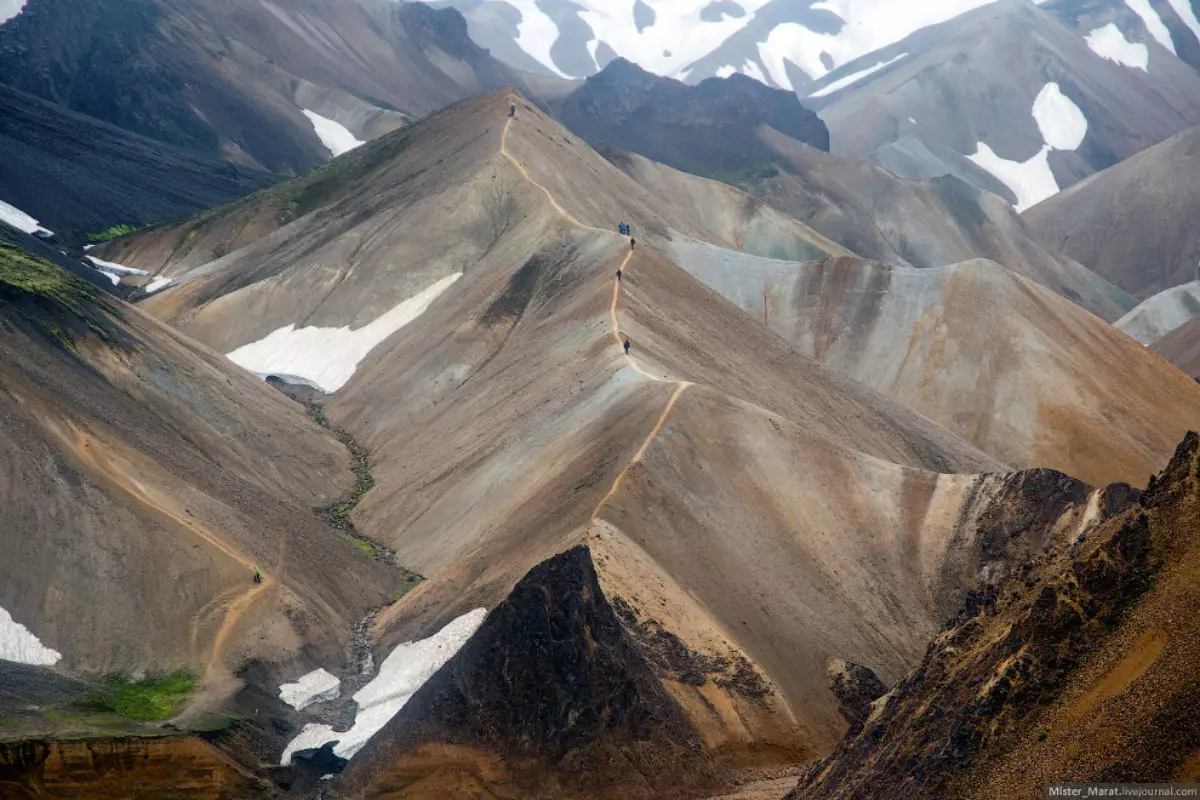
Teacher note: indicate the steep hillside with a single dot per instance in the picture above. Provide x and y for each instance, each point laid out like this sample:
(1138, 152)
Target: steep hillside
(1016, 91)
(79, 176)
(1074, 671)
(327, 229)
(235, 78)
(1157, 316)
(752, 517)
(505, 425)
(1015, 370)
(710, 129)
(146, 478)
(909, 223)
(1132, 223)
(1182, 347)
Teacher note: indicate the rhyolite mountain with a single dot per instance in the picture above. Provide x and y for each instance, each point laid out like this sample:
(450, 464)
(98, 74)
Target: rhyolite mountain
(1135, 222)
(941, 219)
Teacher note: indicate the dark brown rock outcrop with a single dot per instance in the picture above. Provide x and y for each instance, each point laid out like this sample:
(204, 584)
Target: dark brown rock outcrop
(550, 698)
(1072, 669)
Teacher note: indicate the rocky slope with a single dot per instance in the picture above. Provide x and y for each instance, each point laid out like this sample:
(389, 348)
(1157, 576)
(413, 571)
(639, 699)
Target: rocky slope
(79, 176)
(1182, 348)
(550, 698)
(149, 477)
(1133, 223)
(1074, 670)
(1019, 372)
(506, 425)
(1155, 317)
(233, 78)
(710, 129)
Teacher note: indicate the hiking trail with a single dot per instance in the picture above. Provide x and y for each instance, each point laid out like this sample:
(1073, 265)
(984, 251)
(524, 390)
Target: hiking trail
(614, 317)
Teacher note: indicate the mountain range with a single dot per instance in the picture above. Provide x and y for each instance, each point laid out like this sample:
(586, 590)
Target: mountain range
(498, 399)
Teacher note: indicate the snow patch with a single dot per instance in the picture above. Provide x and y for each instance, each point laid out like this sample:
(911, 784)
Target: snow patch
(327, 358)
(10, 9)
(1154, 24)
(158, 283)
(18, 218)
(850, 80)
(1031, 181)
(1062, 124)
(112, 270)
(752, 69)
(402, 673)
(1063, 127)
(317, 686)
(1108, 42)
(112, 266)
(1186, 13)
(537, 33)
(793, 42)
(18, 644)
(336, 137)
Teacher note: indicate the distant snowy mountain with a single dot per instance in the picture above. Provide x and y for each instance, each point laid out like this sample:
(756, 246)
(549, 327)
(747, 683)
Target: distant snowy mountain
(788, 44)
(785, 43)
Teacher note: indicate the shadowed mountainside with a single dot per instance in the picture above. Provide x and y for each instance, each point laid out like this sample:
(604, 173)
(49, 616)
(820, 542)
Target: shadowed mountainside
(231, 78)
(79, 176)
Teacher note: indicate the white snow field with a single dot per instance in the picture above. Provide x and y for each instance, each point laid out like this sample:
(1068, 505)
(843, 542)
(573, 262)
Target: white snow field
(1108, 42)
(158, 283)
(326, 358)
(1157, 316)
(402, 673)
(10, 9)
(680, 36)
(1062, 124)
(335, 136)
(1063, 127)
(850, 80)
(17, 643)
(1186, 13)
(18, 218)
(112, 270)
(317, 686)
(1153, 22)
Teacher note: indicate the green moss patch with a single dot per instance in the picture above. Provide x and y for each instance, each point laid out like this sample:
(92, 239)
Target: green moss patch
(22, 272)
(113, 232)
(150, 699)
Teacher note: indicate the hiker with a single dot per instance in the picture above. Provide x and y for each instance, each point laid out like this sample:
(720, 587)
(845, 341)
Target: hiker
(626, 347)
(632, 243)
(512, 109)
(621, 228)
(618, 276)
(257, 575)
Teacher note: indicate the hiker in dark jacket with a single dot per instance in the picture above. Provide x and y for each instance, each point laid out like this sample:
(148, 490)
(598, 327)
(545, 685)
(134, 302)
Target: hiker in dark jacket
(618, 276)
(626, 347)
(632, 243)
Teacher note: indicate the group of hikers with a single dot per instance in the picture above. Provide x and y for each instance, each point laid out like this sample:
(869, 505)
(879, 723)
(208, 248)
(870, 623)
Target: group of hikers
(623, 228)
(627, 230)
